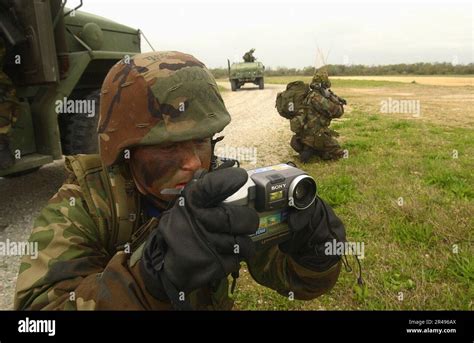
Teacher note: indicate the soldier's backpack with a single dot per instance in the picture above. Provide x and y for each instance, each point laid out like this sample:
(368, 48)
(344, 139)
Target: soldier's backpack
(290, 102)
(297, 123)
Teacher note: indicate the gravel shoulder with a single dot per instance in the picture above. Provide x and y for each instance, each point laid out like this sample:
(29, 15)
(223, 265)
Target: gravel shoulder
(257, 125)
(21, 200)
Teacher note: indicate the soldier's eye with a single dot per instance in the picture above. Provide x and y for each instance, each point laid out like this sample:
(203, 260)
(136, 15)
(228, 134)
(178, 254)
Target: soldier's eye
(202, 141)
(169, 147)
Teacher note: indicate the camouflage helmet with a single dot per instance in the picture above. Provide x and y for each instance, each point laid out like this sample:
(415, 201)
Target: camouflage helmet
(321, 77)
(156, 98)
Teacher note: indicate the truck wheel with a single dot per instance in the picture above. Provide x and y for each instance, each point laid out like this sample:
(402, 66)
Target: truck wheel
(233, 85)
(79, 130)
(261, 83)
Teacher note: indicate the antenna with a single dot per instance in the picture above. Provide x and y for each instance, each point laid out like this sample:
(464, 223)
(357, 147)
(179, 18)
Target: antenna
(321, 59)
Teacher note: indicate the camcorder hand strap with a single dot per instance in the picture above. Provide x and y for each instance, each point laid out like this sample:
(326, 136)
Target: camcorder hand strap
(347, 266)
(174, 295)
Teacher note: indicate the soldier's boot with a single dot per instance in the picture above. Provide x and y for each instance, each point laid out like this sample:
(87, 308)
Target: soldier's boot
(6, 156)
(331, 149)
(296, 144)
(339, 154)
(332, 154)
(306, 154)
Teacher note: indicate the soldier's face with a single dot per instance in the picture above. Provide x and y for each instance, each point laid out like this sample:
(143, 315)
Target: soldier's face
(168, 166)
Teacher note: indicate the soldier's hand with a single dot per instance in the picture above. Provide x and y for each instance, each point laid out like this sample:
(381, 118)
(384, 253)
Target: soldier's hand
(310, 230)
(199, 240)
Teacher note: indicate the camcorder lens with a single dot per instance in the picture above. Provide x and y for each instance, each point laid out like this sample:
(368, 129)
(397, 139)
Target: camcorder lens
(303, 191)
(300, 191)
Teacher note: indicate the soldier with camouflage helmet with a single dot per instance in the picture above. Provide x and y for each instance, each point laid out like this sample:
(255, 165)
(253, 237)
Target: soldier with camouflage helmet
(248, 56)
(321, 106)
(118, 236)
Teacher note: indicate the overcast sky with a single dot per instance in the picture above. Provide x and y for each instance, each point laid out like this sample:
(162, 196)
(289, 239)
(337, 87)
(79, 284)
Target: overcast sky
(288, 33)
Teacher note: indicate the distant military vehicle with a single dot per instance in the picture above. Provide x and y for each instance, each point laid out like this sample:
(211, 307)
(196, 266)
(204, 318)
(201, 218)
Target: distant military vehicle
(65, 56)
(244, 72)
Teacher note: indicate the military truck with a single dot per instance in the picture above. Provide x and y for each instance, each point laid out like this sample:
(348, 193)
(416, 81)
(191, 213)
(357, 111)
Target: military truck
(244, 72)
(64, 56)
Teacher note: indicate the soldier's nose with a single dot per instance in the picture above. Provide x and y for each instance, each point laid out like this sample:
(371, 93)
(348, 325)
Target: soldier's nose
(191, 161)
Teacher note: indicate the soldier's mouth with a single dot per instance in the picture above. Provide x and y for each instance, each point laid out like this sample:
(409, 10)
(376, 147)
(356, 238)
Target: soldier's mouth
(174, 190)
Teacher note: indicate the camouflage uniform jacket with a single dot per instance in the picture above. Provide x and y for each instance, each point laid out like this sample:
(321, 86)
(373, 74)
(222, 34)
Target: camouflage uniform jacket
(312, 123)
(323, 106)
(75, 269)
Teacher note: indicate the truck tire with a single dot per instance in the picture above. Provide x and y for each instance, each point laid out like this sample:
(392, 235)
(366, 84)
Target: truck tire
(261, 84)
(233, 85)
(79, 130)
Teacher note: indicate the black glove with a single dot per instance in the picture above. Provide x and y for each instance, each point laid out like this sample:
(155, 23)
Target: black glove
(194, 245)
(310, 230)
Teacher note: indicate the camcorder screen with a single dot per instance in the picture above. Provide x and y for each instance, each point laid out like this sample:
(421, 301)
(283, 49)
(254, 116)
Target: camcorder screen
(304, 160)
(275, 196)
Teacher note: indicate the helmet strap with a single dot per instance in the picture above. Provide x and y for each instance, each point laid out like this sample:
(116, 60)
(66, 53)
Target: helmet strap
(214, 141)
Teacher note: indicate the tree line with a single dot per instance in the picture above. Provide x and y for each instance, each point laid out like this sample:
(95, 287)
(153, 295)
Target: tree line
(361, 70)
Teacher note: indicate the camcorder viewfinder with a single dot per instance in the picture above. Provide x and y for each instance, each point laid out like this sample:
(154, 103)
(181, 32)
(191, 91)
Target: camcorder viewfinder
(272, 191)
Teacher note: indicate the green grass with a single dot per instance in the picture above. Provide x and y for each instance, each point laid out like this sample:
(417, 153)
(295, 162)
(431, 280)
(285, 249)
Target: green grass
(452, 182)
(461, 266)
(408, 232)
(408, 248)
(338, 190)
(335, 82)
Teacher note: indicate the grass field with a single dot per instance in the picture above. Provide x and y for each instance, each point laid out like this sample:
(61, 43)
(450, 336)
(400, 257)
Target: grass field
(434, 80)
(406, 191)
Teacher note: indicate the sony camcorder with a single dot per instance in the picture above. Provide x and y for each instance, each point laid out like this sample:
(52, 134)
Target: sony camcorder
(272, 191)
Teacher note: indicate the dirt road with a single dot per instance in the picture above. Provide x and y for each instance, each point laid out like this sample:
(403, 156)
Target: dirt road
(21, 200)
(256, 124)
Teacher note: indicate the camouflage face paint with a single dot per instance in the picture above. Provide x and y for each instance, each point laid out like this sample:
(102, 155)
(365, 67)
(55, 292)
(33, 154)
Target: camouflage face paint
(168, 166)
